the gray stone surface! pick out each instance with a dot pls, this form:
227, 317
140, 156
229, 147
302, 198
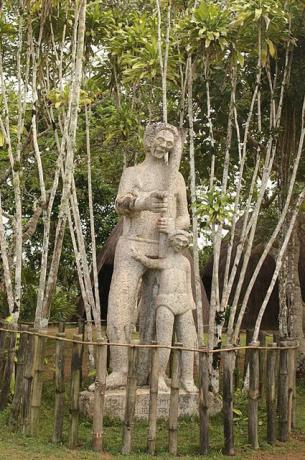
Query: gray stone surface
115, 404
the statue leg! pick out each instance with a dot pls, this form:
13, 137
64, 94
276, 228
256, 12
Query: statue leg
122, 300
164, 327
186, 333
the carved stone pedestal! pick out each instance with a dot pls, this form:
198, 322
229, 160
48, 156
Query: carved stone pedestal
115, 404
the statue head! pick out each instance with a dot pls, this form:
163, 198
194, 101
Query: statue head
179, 240
159, 139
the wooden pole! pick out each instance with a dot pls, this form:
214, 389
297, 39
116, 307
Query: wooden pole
174, 401
271, 395
75, 390
153, 400
99, 395
7, 366
81, 331
283, 393
59, 385
130, 400
16, 415
249, 335
228, 393
253, 396
293, 414
204, 402
38, 366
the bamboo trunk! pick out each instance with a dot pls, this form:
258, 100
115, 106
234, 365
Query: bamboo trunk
204, 401
99, 395
36, 391
153, 400
228, 393
283, 393
82, 331
16, 416
59, 385
249, 335
174, 401
253, 396
75, 390
130, 400
271, 395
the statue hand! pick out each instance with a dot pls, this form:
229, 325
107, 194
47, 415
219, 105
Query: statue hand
165, 225
135, 253
155, 202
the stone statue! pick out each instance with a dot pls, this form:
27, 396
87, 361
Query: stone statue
148, 209
174, 305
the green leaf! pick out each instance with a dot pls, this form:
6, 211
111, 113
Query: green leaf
258, 14
272, 48
1, 139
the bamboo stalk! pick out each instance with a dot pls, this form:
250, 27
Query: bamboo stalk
253, 397
130, 400
204, 402
174, 401
36, 390
75, 390
228, 392
283, 393
59, 385
99, 396
153, 400
271, 395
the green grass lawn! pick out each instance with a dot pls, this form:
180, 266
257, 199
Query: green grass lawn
16, 446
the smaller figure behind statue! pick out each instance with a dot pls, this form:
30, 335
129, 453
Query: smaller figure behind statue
174, 305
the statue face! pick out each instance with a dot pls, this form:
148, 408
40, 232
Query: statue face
178, 243
163, 143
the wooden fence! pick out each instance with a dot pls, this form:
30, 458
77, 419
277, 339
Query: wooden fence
24, 350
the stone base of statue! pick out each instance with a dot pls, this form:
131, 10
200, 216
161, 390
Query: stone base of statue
115, 404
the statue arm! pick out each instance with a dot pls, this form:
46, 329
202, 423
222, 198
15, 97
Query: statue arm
153, 264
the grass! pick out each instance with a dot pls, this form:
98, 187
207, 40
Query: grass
17, 446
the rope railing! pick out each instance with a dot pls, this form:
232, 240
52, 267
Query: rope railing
139, 345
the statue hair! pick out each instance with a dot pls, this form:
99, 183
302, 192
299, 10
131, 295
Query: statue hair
152, 129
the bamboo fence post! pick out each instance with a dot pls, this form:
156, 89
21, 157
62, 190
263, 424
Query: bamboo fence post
204, 401
27, 383
3, 346
262, 363
228, 394
130, 406
75, 390
153, 400
271, 395
291, 384
249, 335
253, 396
99, 395
36, 390
293, 414
283, 392
81, 331
59, 384
8, 366
174, 401
18, 400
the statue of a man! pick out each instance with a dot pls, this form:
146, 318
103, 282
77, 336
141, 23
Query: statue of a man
144, 202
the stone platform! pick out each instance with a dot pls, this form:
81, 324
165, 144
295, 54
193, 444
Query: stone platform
115, 404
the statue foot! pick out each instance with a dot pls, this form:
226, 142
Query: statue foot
116, 380
189, 386
162, 386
